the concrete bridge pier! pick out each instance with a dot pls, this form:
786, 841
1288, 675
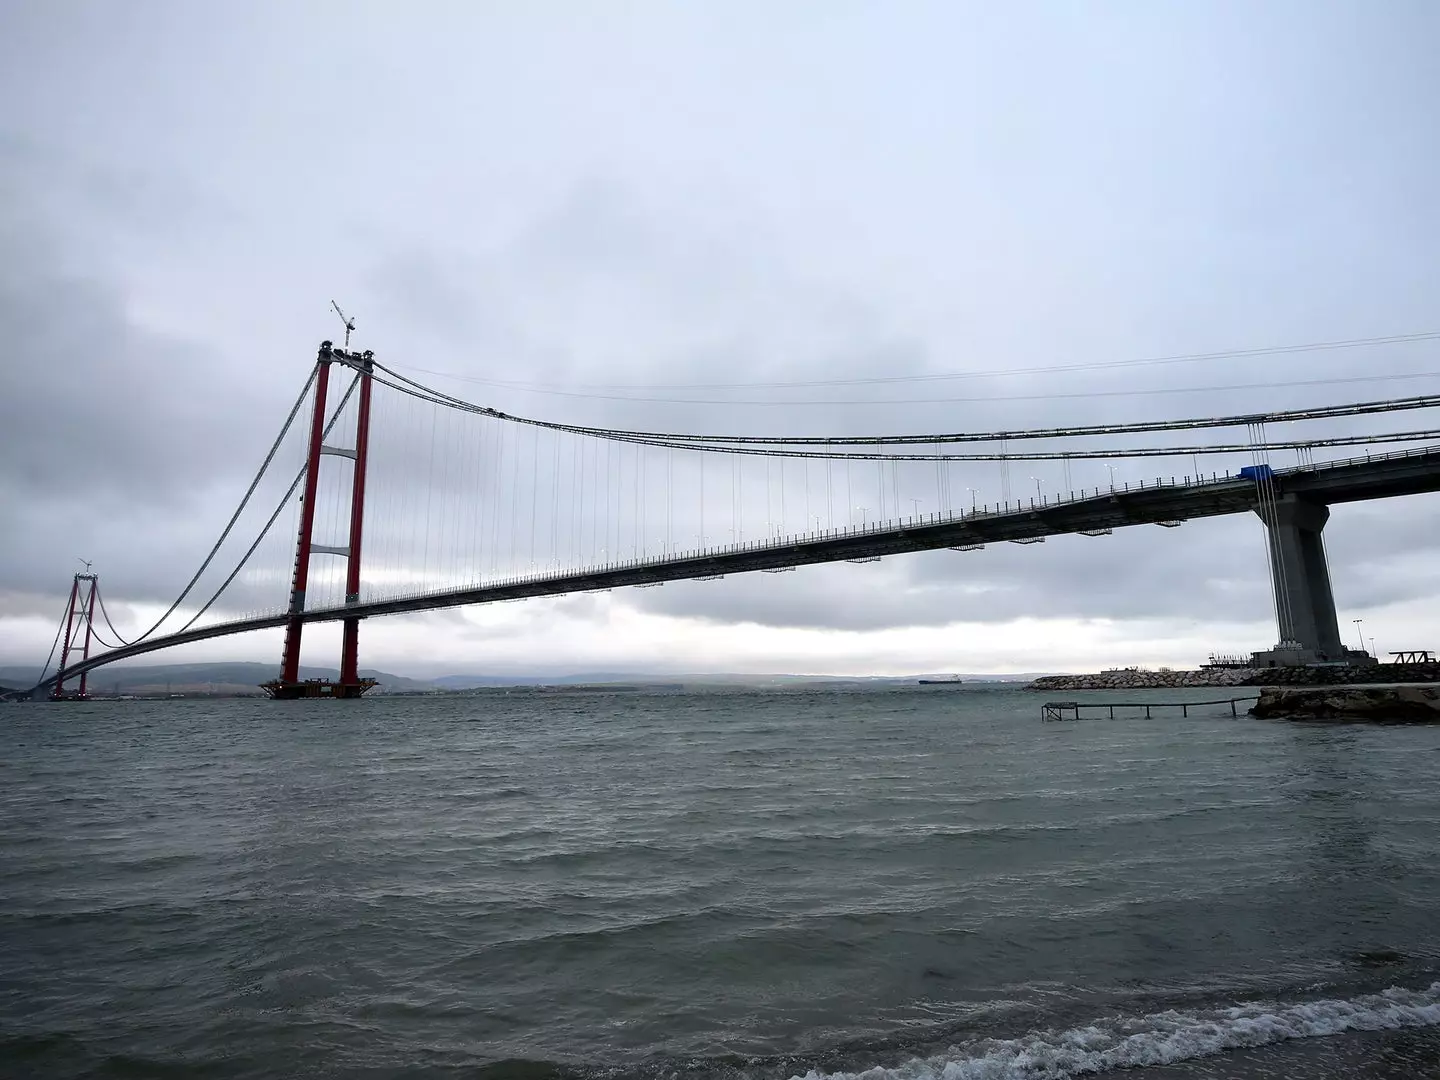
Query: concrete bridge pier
1305, 606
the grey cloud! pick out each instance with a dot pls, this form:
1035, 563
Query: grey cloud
119, 442
604, 286
20, 604
108, 203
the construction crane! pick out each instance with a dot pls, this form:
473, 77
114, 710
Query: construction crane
349, 322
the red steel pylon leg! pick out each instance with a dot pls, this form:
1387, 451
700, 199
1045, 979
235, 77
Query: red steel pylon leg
290, 660
58, 693
89, 611
350, 640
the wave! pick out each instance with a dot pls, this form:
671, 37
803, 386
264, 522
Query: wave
1159, 1039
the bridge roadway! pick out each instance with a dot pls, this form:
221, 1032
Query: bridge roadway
1409, 472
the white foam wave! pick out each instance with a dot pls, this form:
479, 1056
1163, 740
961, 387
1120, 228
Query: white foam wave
1160, 1039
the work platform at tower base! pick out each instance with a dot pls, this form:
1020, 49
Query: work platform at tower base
280, 690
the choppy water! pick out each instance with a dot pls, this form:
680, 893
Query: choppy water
924, 881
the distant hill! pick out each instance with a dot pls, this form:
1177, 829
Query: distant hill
630, 678
217, 678
473, 682
634, 678
245, 678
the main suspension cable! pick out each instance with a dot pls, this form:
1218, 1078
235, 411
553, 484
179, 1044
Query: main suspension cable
571, 390
265, 530
274, 449
53, 646
1109, 453
95, 631
987, 399
410, 386
100, 598
279, 509
780, 447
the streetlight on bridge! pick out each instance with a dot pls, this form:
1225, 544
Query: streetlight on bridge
1359, 633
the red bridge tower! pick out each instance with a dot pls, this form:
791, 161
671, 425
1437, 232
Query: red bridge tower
350, 685
82, 608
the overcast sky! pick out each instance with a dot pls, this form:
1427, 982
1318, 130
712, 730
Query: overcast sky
602, 202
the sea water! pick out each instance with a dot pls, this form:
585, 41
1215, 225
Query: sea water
895, 883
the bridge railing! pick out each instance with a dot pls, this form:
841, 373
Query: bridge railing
1364, 459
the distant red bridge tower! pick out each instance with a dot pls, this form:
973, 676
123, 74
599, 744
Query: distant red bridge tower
81, 610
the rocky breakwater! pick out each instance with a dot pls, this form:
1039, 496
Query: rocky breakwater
1332, 676
1138, 679
1402, 704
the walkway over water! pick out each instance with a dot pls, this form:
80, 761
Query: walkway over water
1073, 710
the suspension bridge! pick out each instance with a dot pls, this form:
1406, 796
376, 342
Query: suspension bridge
400, 498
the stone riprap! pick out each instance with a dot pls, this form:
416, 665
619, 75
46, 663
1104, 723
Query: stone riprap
1140, 679
1376, 704
1147, 680
1373, 674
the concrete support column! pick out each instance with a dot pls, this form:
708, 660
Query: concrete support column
1302, 578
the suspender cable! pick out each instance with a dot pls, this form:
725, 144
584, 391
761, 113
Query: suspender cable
534, 491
